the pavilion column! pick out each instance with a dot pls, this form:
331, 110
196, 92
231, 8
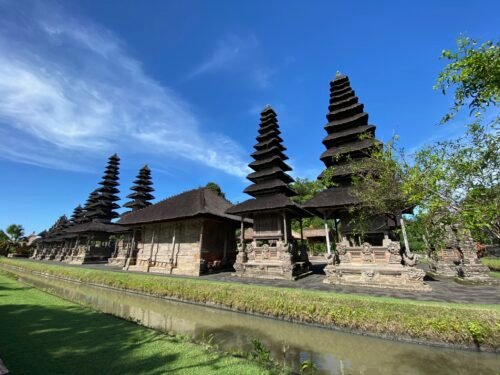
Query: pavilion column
130, 251
285, 231
173, 248
224, 255
242, 231
327, 236
152, 247
301, 231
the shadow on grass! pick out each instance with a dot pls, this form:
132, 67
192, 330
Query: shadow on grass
73, 340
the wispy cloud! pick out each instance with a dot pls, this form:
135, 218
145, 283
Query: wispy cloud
70, 93
238, 55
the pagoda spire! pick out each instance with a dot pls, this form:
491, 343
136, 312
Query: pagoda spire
269, 160
78, 215
349, 136
141, 196
103, 208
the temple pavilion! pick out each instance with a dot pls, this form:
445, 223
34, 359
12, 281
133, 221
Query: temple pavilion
187, 234
376, 259
273, 253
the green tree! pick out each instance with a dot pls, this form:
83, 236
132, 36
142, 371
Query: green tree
458, 180
473, 73
12, 236
378, 184
307, 189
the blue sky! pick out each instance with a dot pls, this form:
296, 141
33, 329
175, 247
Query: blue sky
179, 85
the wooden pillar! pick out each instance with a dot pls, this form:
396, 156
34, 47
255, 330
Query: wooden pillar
201, 236
242, 231
327, 236
173, 246
285, 231
224, 256
130, 251
152, 247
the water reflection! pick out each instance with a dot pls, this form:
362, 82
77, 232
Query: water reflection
291, 344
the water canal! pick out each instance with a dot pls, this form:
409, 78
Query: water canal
332, 352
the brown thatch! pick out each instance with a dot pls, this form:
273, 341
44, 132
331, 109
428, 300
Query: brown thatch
268, 203
198, 202
96, 227
336, 197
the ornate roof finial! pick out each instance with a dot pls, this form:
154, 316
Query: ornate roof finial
338, 74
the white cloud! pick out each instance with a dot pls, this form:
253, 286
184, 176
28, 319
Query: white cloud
70, 93
239, 55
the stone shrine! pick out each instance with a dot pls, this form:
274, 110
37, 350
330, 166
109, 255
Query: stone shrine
377, 259
459, 257
273, 253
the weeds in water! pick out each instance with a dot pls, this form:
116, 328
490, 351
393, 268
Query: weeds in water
308, 367
260, 352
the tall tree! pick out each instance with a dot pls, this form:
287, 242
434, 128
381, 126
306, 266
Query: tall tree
14, 234
473, 73
104, 209
143, 187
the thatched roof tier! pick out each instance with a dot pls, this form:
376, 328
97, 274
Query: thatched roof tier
274, 172
356, 148
274, 202
274, 161
336, 197
270, 143
270, 186
265, 153
97, 227
350, 134
192, 203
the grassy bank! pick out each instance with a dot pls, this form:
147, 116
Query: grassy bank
443, 322
492, 263
43, 334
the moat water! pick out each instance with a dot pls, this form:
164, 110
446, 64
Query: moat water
332, 352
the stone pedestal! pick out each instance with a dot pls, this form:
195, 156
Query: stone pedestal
91, 254
276, 260
373, 266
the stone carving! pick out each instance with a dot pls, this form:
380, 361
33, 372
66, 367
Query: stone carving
373, 266
367, 251
271, 260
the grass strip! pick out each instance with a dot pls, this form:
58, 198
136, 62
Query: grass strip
492, 263
460, 324
44, 334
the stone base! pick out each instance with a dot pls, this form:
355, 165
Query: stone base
445, 269
474, 272
117, 262
272, 270
280, 262
379, 276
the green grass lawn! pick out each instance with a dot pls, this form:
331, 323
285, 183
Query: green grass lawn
492, 263
466, 324
43, 334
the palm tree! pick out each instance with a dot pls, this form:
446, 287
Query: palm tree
14, 234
